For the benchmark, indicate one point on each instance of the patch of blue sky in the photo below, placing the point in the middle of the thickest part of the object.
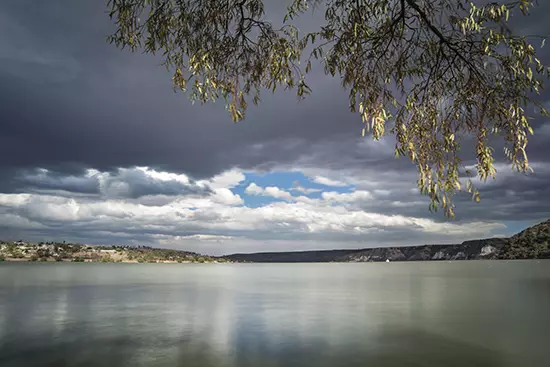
(284, 180)
(513, 227)
(281, 179)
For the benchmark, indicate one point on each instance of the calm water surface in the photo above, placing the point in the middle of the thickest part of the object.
(475, 313)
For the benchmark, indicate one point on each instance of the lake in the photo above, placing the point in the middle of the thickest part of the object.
(471, 313)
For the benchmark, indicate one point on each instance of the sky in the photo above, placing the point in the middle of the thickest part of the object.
(96, 148)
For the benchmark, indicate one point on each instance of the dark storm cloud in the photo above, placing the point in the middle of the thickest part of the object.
(46, 180)
(138, 183)
(72, 98)
(68, 98)
(512, 196)
(121, 183)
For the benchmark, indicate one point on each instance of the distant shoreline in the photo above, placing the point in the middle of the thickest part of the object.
(20, 251)
(19, 261)
(24, 260)
(532, 243)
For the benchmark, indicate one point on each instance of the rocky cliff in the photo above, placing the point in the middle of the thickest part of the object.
(469, 250)
(532, 243)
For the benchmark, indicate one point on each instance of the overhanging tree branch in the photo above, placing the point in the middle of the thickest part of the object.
(399, 66)
(442, 38)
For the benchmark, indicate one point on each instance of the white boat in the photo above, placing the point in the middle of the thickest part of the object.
(387, 260)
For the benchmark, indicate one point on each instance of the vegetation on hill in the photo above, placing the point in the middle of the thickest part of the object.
(532, 243)
(57, 251)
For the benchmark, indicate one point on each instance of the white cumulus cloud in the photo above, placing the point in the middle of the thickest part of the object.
(328, 181)
(271, 191)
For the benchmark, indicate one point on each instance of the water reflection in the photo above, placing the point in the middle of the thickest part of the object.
(387, 348)
(274, 315)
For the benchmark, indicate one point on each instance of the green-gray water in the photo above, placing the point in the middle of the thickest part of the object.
(471, 313)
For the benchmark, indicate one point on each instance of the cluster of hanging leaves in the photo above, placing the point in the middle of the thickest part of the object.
(432, 72)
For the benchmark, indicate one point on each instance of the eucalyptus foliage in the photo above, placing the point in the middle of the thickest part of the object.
(432, 72)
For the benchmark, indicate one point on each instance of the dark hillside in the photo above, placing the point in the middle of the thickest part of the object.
(532, 243)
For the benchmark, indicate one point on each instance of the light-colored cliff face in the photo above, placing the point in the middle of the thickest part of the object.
(440, 255)
(487, 250)
(469, 250)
